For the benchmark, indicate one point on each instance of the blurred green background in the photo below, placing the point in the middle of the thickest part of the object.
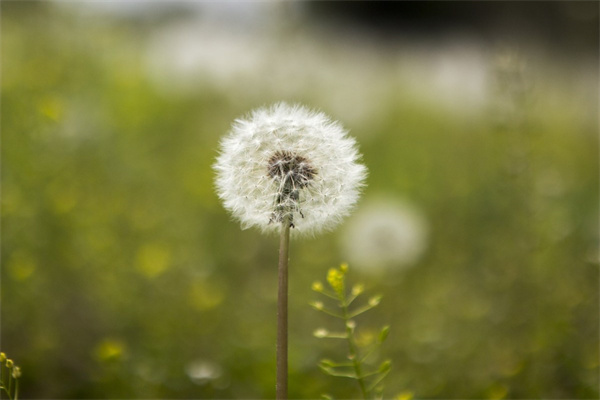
(123, 277)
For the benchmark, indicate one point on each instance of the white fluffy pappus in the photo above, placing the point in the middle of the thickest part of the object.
(289, 161)
(386, 234)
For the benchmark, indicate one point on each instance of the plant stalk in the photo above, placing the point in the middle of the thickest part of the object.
(353, 350)
(282, 311)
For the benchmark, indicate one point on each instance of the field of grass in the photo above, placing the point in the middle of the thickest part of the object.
(124, 277)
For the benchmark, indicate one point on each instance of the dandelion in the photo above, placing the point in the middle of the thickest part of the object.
(287, 167)
(289, 162)
(386, 234)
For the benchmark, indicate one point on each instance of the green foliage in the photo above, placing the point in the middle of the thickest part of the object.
(9, 377)
(121, 269)
(359, 363)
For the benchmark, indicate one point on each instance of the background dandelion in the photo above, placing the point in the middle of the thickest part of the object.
(386, 234)
(484, 115)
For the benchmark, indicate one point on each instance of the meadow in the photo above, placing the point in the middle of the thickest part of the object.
(124, 277)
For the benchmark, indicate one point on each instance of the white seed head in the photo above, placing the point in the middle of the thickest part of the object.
(386, 234)
(289, 161)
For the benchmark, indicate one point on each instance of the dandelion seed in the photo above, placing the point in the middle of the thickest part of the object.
(289, 161)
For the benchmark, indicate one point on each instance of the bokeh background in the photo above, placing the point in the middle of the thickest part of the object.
(123, 277)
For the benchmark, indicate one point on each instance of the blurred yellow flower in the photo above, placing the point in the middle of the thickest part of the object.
(52, 108)
(109, 349)
(497, 392)
(335, 277)
(205, 296)
(21, 265)
(405, 395)
(153, 259)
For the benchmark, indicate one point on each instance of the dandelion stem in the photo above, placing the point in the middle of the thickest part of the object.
(282, 310)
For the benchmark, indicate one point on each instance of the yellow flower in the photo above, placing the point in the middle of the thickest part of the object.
(406, 395)
(335, 277)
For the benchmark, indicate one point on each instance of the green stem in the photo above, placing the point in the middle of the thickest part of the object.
(282, 310)
(9, 384)
(353, 348)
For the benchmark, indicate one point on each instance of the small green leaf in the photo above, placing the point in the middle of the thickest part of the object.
(385, 366)
(384, 333)
(325, 396)
(332, 372)
(328, 363)
(375, 300)
(332, 364)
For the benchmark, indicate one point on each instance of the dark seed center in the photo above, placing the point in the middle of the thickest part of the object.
(294, 169)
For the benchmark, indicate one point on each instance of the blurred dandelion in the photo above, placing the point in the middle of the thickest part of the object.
(385, 234)
(287, 167)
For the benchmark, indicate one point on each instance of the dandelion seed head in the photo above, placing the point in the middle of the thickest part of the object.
(289, 161)
(386, 234)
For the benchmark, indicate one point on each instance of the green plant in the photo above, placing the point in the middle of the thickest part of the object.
(9, 377)
(360, 359)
